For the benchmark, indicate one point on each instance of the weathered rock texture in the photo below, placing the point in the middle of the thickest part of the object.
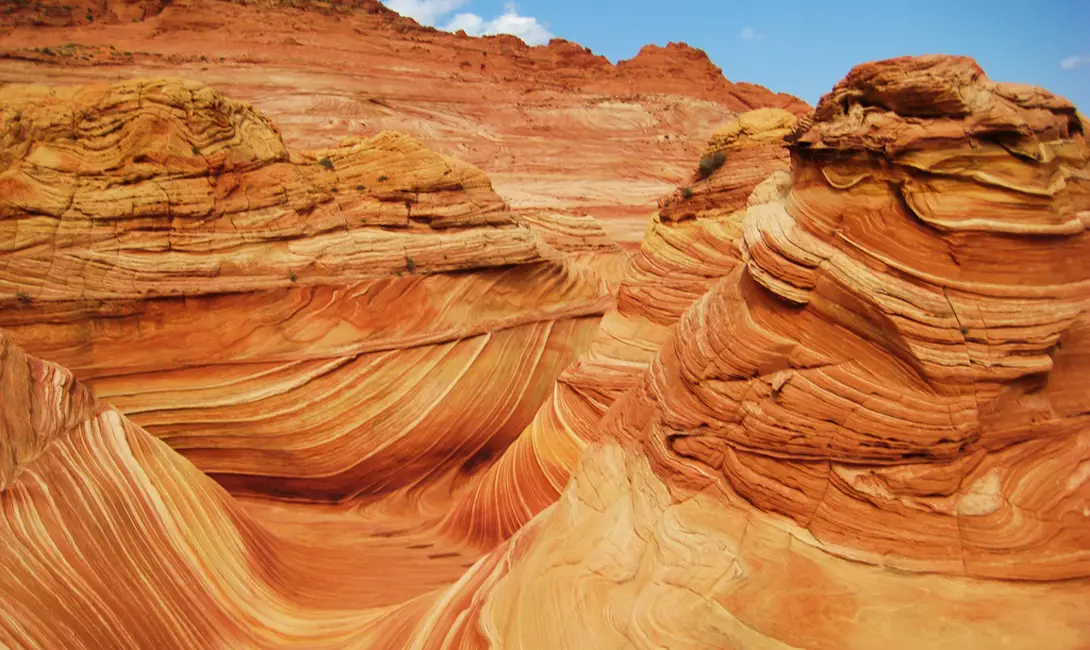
(872, 435)
(347, 307)
(690, 244)
(556, 127)
(112, 540)
(842, 406)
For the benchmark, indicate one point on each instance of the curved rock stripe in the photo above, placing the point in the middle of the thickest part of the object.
(872, 434)
(328, 325)
(690, 244)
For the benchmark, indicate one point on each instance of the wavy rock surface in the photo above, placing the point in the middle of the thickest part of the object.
(347, 308)
(690, 244)
(112, 540)
(557, 128)
(874, 434)
(869, 431)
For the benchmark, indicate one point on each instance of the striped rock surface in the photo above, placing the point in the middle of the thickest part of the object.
(313, 326)
(690, 244)
(874, 434)
(556, 127)
(869, 431)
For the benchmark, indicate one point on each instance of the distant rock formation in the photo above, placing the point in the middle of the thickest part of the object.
(558, 128)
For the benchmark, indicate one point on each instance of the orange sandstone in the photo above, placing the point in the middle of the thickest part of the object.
(840, 402)
(557, 128)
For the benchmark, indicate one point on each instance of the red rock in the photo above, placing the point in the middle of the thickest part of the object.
(556, 127)
(840, 403)
(873, 434)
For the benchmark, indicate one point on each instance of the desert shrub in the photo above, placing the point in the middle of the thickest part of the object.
(326, 162)
(410, 264)
(710, 162)
(686, 193)
(23, 297)
(383, 178)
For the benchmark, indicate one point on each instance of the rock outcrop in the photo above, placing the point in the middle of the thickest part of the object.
(112, 540)
(840, 403)
(558, 128)
(348, 305)
(691, 243)
(874, 434)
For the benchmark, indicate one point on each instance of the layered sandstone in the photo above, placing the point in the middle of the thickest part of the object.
(691, 243)
(558, 128)
(840, 402)
(347, 306)
(112, 540)
(874, 434)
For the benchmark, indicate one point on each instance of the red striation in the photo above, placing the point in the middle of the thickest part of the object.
(690, 245)
(557, 127)
(874, 433)
(840, 402)
(684, 70)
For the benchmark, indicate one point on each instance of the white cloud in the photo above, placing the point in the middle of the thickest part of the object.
(425, 12)
(510, 22)
(1072, 62)
(430, 12)
(750, 34)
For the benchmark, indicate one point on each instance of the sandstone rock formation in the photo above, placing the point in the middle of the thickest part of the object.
(872, 435)
(840, 403)
(347, 305)
(112, 540)
(557, 128)
(690, 244)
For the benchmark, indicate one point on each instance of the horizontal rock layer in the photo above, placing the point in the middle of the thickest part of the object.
(558, 128)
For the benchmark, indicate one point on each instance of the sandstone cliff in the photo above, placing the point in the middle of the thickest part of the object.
(874, 434)
(839, 404)
(557, 127)
(348, 305)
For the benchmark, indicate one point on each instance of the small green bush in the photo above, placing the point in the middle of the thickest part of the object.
(23, 297)
(410, 264)
(383, 178)
(710, 162)
(326, 162)
(686, 193)
(196, 151)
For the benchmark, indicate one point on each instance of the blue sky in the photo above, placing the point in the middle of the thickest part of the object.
(805, 47)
